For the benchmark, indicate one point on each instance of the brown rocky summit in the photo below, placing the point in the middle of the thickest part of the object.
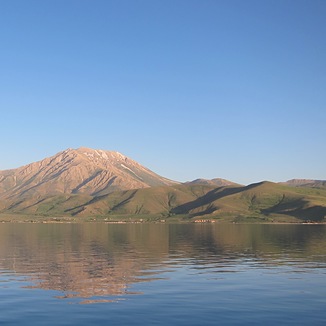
(78, 171)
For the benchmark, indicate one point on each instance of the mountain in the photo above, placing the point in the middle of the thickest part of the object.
(86, 183)
(218, 182)
(306, 183)
(77, 171)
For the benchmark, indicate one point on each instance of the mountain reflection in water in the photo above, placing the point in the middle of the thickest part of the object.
(100, 262)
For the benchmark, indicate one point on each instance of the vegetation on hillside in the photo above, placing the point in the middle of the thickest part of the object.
(265, 202)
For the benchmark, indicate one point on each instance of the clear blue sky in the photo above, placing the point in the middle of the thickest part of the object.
(188, 88)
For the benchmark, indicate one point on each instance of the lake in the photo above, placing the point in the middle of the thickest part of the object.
(162, 274)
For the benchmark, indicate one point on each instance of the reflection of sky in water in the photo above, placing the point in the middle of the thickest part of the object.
(183, 269)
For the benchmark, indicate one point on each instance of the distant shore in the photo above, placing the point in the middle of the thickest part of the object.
(16, 218)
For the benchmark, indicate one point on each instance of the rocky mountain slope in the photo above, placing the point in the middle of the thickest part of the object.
(77, 171)
(306, 183)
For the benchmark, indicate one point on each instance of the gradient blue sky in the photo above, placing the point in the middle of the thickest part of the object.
(188, 88)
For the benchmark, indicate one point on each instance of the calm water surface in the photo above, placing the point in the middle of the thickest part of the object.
(159, 274)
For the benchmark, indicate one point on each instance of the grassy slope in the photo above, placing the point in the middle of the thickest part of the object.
(270, 200)
(149, 201)
(262, 201)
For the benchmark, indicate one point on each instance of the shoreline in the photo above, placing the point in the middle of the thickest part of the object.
(12, 218)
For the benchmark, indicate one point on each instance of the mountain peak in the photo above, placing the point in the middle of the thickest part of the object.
(218, 182)
(100, 153)
(305, 183)
(78, 171)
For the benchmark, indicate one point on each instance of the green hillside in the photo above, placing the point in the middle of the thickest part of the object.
(158, 201)
(265, 201)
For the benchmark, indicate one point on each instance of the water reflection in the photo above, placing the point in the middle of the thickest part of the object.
(101, 262)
